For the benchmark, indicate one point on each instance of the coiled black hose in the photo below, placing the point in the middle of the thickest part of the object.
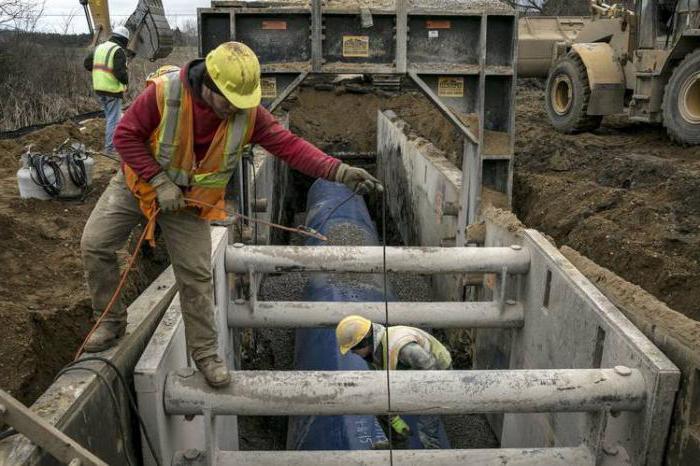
(75, 162)
(51, 182)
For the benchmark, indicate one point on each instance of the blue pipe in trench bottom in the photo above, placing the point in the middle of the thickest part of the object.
(316, 348)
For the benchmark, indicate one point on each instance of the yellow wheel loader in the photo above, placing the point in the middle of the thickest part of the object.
(151, 36)
(644, 62)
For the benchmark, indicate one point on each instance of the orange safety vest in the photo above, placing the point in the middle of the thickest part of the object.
(172, 146)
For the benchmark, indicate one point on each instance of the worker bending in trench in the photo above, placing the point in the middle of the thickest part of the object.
(408, 348)
(180, 142)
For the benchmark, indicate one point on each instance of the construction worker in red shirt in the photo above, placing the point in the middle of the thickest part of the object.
(179, 142)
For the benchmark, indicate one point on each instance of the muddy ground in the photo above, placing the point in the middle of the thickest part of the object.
(44, 305)
(623, 196)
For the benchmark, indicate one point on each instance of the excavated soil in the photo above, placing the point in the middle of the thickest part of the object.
(344, 117)
(44, 305)
(623, 195)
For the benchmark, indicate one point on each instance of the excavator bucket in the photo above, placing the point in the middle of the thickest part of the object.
(151, 36)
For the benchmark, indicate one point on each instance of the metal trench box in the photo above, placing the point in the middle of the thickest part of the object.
(574, 381)
(461, 54)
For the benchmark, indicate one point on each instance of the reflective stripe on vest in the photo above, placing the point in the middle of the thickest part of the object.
(168, 150)
(103, 78)
(400, 336)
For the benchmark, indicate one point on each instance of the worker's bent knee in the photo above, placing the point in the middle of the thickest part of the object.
(93, 243)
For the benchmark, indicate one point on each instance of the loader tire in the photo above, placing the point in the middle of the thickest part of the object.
(681, 104)
(567, 96)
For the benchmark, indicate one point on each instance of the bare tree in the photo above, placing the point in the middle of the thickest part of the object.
(20, 14)
(65, 27)
(529, 6)
(552, 7)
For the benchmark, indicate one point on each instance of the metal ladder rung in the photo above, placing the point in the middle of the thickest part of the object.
(370, 259)
(299, 314)
(280, 393)
(574, 456)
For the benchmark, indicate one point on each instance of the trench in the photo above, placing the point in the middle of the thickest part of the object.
(44, 304)
(354, 141)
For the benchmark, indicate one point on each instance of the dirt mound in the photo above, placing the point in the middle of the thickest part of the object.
(624, 196)
(338, 120)
(44, 304)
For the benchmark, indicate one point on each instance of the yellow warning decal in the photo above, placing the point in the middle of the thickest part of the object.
(356, 46)
(450, 86)
(268, 86)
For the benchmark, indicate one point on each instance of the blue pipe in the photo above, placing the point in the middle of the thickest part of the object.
(316, 348)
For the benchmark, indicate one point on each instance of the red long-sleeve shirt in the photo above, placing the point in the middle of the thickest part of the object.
(132, 135)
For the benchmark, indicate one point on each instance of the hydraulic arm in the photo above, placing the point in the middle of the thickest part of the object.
(151, 36)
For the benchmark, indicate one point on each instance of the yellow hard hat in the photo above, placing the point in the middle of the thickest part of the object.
(350, 331)
(235, 70)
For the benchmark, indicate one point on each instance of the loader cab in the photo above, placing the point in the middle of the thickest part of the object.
(658, 25)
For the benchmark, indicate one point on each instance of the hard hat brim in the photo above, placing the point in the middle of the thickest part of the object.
(343, 350)
(243, 101)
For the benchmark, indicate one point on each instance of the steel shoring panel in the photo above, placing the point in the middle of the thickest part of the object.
(574, 456)
(369, 259)
(294, 314)
(276, 393)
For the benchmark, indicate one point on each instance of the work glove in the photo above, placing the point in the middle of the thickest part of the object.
(400, 427)
(357, 179)
(170, 197)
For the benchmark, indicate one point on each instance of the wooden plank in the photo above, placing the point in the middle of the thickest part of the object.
(58, 444)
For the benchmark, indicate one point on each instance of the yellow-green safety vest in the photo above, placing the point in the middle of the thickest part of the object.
(103, 78)
(400, 336)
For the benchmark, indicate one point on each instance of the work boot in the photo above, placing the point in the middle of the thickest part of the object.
(214, 371)
(106, 335)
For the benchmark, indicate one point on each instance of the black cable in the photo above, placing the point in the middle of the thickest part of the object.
(8, 433)
(115, 402)
(386, 321)
(335, 209)
(75, 162)
(130, 397)
(116, 159)
(38, 165)
(255, 198)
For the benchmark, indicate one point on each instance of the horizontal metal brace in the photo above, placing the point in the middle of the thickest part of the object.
(295, 314)
(311, 393)
(369, 259)
(576, 456)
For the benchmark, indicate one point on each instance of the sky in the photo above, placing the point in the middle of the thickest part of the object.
(57, 13)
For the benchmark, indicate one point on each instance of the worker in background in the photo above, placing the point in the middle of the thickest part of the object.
(110, 79)
(179, 142)
(396, 347)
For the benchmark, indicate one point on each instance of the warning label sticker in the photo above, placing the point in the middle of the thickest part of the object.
(280, 25)
(268, 86)
(356, 46)
(433, 34)
(450, 86)
(438, 24)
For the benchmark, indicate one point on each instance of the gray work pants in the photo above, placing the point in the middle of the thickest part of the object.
(188, 240)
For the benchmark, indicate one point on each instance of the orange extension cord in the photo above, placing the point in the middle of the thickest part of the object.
(122, 281)
(134, 255)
